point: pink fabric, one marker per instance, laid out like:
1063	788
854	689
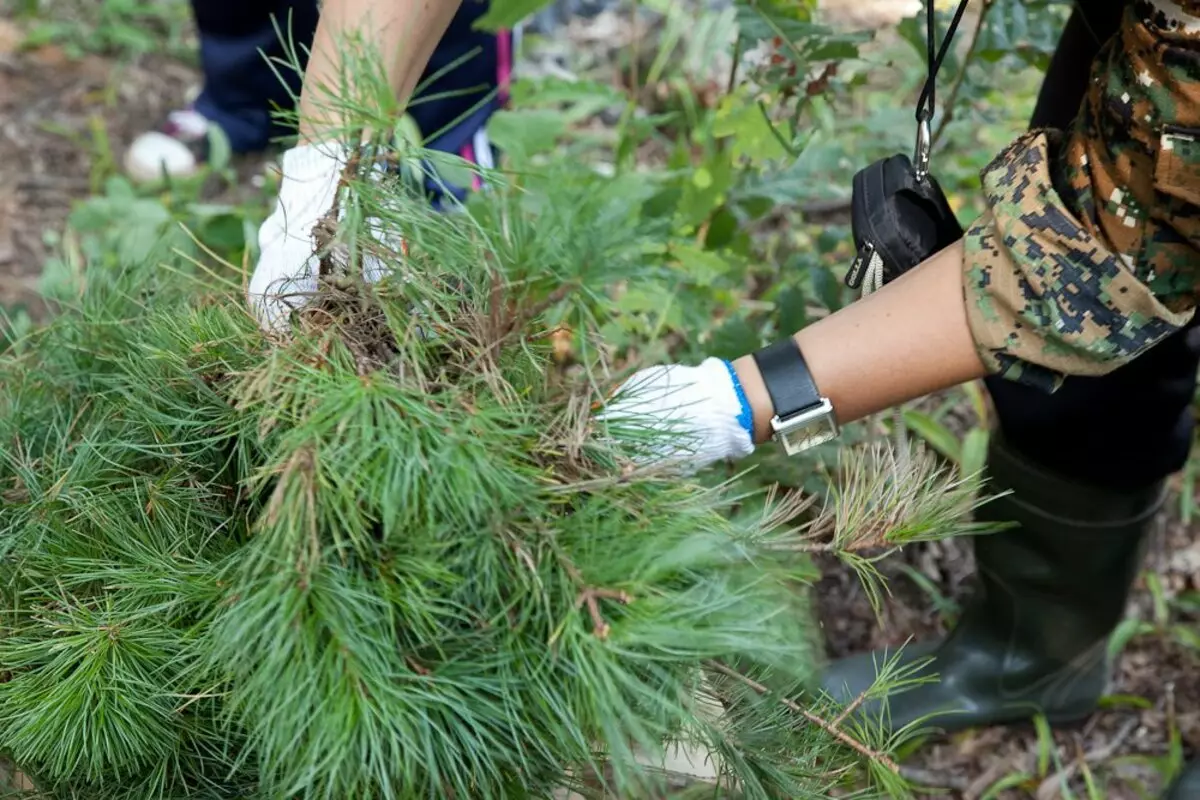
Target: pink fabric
504	57
468	153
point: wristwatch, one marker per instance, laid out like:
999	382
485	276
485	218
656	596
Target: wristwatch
803	418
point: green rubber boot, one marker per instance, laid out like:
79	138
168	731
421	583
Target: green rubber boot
1187	785
1048	594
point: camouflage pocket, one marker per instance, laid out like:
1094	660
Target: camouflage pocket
1177	173
1177	168
1171	249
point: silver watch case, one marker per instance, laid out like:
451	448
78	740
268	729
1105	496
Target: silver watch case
806	429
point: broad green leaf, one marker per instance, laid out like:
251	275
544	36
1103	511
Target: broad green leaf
1125	701
723	230
827	286
766	19
791	311
974	393
590	96
701	198
974	452
503	14
936	434
838	48
453	169
700	266
805	179
526	132
648	297
219	150
752	136
1010	781
734	338
1124	633
224	233
1158	597
1045	744
1186	636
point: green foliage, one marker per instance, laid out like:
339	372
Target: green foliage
123	28
508	13
387	559
126	223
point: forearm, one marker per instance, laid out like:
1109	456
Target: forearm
905	341
403	32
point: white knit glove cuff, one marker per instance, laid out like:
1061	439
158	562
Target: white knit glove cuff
703	408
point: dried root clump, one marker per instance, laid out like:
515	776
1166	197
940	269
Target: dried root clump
348	310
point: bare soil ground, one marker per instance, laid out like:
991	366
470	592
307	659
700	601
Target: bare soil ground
54	114
51	106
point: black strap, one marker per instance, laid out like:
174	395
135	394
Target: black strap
786	375
926	103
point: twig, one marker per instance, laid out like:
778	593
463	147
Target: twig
823	724
325	229
948	114
839	206
731	84
933	780
848	710
417	666
537	309
980	785
590	597
53	183
1110	748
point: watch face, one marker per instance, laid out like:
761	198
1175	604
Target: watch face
807	429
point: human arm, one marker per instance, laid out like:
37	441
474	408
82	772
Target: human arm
906	340
403	34
1086	256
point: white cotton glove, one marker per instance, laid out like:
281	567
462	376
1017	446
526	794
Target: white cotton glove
286	275
704	409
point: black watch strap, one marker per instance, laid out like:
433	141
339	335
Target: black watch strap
786	375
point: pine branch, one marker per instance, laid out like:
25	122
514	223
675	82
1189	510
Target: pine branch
831	728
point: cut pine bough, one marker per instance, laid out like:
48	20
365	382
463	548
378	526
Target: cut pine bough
370	562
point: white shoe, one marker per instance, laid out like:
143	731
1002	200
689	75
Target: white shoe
177	149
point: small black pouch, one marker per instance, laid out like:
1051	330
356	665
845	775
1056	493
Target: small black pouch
897	220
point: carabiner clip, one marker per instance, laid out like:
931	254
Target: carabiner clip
921	154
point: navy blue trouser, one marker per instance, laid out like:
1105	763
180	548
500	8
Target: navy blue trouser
241	90
1134	426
